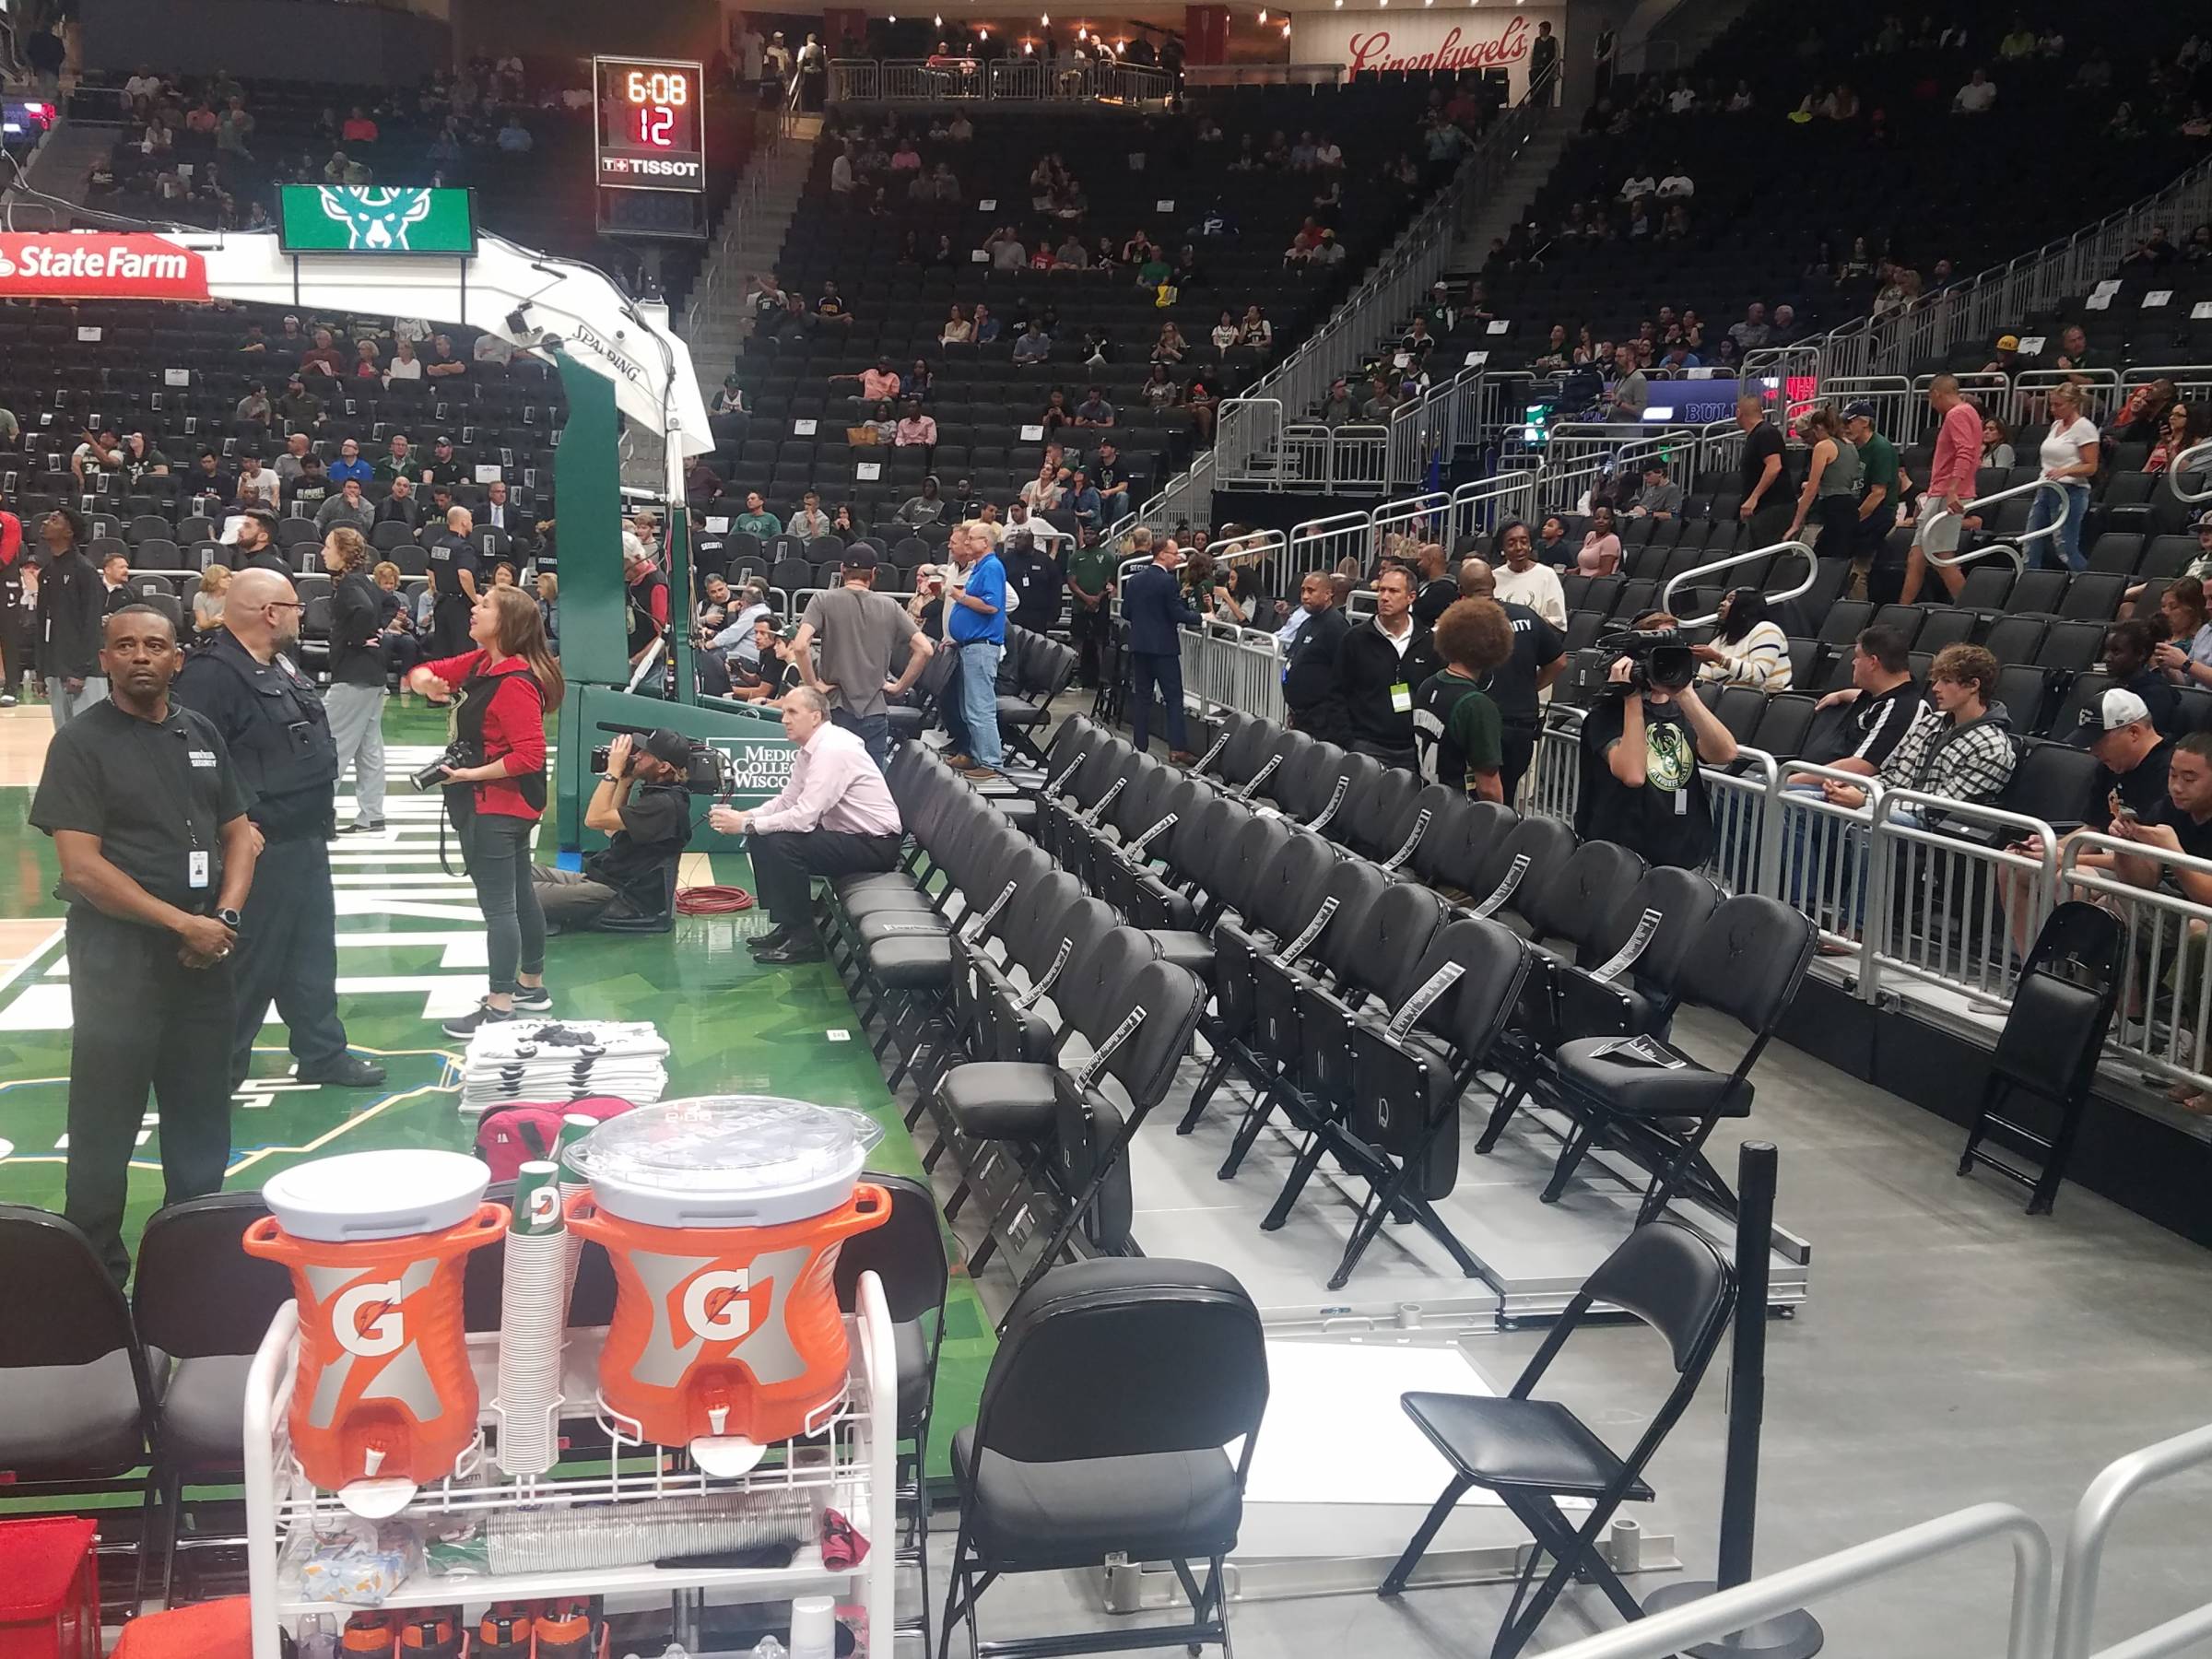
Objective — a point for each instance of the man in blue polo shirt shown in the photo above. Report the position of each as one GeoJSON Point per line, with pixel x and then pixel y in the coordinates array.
{"type": "Point", "coordinates": [977, 626]}
{"type": "Point", "coordinates": [350, 465]}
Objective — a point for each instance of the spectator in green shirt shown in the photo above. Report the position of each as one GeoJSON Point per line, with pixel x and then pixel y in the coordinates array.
{"type": "Point", "coordinates": [1881, 486]}
{"type": "Point", "coordinates": [1154, 271]}
{"type": "Point", "coordinates": [401, 462]}
{"type": "Point", "coordinates": [1090, 580]}
{"type": "Point", "coordinates": [1457, 730]}
{"type": "Point", "coordinates": [756, 520]}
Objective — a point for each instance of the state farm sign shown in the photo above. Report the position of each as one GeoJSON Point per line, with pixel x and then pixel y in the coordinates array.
{"type": "Point", "coordinates": [62, 266]}
{"type": "Point", "coordinates": [1379, 40]}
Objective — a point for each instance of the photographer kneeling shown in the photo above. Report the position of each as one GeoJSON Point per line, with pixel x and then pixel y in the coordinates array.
{"type": "Point", "coordinates": [494, 774]}
{"type": "Point", "coordinates": [643, 806]}
{"type": "Point", "coordinates": [1641, 748]}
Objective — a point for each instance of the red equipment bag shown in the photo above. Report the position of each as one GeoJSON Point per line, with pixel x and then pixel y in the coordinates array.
{"type": "Point", "coordinates": [511, 1137]}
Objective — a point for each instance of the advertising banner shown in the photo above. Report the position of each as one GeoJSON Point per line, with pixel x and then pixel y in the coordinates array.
{"type": "Point", "coordinates": [61, 265]}
{"type": "Point", "coordinates": [1377, 40]}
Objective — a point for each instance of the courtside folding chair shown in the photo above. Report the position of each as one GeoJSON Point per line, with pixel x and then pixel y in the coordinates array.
{"type": "Point", "coordinates": [1532, 1452]}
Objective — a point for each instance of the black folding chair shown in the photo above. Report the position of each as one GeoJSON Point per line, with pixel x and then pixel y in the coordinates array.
{"type": "Point", "coordinates": [1115, 1386]}
{"type": "Point", "coordinates": [1657, 1103]}
{"type": "Point", "coordinates": [1532, 1453]}
{"type": "Point", "coordinates": [2062, 1011]}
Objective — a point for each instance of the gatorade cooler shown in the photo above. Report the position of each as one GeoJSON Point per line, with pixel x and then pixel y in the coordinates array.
{"type": "Point", "coordinates": [376, 1243]}
{"type": "Point", "coordinates": [723, 1218]}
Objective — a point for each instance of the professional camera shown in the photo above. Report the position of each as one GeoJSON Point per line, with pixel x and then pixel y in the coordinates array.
{"type": "Point", "coordinates": [1660, 658]}
{"type": "Point", "coordinates": [708, 772]}
{"type": "Point", "coordinates": [457, 755]}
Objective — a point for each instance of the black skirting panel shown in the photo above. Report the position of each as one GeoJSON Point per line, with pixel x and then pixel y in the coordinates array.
{"type": "Point", "coordinates": [2153, 1168]}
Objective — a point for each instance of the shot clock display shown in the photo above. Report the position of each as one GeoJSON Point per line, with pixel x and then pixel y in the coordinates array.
{"type": "Point", "coordinates": [650, 136]}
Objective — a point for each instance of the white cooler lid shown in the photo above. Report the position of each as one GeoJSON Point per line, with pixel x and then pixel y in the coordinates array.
{"type": "Point", "coordinates": [393, 1194]}
{"type": "Point", "coordinates": [725, 1160]}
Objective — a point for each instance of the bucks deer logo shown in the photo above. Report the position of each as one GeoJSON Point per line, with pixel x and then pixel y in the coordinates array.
{"type": "Point", "coordinates": [377, 220]}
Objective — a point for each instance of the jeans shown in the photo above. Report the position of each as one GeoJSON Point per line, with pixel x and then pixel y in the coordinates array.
{"type": "Point", "coordinates": [497, 850]}
{"type": "Point", "coordinates": [874, 730]}
{"type": "Point", "coordinates": [978, 699]}
{"type": "Point", "coordinates": [356, 724]}
{"type": "Point", "coordinates": [2041, 514]}
{"type": "Point", "coordinates": [67, 706]}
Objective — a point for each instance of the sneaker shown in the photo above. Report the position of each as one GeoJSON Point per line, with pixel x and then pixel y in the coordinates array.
{"type": "Point", "coordinates": [362, 829]}
{"type": "Point", "coordinates": [484, 1014]}
{"type": "Point", "coordinates": [8, 700]}
{"type": "Point", "coordinates": [534, 999]}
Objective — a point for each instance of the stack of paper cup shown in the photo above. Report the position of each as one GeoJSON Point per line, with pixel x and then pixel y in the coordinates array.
{"type": "Point", "coordinates": [534, 1307]}
{"type": "Point", "coordinates": [574, 1127]}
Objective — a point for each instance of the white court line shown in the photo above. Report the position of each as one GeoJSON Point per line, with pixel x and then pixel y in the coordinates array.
{"type": "Point", "coordinates": [45, 1006]}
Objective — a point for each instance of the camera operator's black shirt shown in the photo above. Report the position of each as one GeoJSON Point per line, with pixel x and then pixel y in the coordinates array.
{"type": "Point", "coordinates": [656, 827]}
{"type": "Point", "coordinates": [1667, 819]}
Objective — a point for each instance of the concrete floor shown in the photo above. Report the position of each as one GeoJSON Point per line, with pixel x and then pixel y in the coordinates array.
{"type": "Point", "coordinates": [1953, 1351]}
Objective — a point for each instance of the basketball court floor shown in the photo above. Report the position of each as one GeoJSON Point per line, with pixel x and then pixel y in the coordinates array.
{"type": "Point", "coordinates": [1953, 1350]}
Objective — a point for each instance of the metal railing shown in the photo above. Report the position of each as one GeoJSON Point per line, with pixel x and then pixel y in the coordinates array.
{"type": "Point", "coordinates": [1225, 666]}
{"type": "Point", "coordinates": [1690, 578]}
{"type": "Point", "coordinates": [1722, 1614]}
{"type": "Point", "coordinates": [2093, 1520]}
{"type": "Point", "coordinates": [2013, 548]}
{"type": "Point", "coordinates": [1026, 79]}
{"type": "Point", "coordinates": [2196, 460]}
{"type": "Point", "coordinates": [2167, 937]}
{"type": "Point", "coordinates": [718, 276]}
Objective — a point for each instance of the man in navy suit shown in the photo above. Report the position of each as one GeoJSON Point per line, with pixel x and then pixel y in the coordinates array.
{"type": "Point", "coordinates": [1153, 607]}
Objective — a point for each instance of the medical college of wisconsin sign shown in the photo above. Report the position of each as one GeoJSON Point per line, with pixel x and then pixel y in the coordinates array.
{"type": "Point", "coordinates": [1376, 40]}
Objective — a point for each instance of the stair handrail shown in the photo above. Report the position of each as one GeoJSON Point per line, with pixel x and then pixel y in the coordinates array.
{"type": "Point", "coordinates": [1812, 571]}
{"type": "Point", "coordinates": [2094, 1518]}
{"type": "Point", "coordinates": [2010, 548]}
{"type": "Point", "coordinates": [2196, 458]}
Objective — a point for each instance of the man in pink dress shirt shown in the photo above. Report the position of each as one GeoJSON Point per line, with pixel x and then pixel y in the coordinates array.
{"type": "Point", "coordinates": [1950, 485]}
{"type": "Point", "coordinates": [835, 818]}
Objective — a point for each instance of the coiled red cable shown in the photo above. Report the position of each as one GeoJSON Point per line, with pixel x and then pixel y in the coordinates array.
{"type": "Point", "coordinates": [711, 900]}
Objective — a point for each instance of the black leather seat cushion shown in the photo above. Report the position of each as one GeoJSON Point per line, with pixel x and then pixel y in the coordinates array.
{"type": "Point", "coordinates": [202, 1414]}
{"type": "Point", "coordinates": [1536, 1446]}
{"type": "Point", "coordinates": [905, 898]}
{"type": "Point", "coordinates": [1040, 1517]}
{"type": "Point", "coordinates": [1013, 711]}
{"type": "Point", "coordinates": [872, 881]}
{"type": "Point", "coordinates": [1021, 812]}
{"type": "Point", "coordinates": [900, 924]}
{"type": "Point", "coordinates": [912, 962]}
{"type": "Point", "coordinates": [64, 1422]}
{"type": "Point", "coordinates": [1000, 1100]}
{"type": "Point", "coordinates": [906, 722]}
{"type": "Point", "coordinates": [1191, 950]}
{"type": "Point", "coordinates": [1649, 1091]}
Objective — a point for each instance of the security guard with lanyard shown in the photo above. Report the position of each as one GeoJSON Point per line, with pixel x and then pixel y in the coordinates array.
{"type": "Point", "coordinates": [148, 818]}
{"type": "Point", "coordinates": [272, 718]}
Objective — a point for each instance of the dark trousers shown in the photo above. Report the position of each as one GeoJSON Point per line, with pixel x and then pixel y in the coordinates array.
{"type": "Point", "coordinates": [497, 847]}
{"type": "Point", "coordinates": [142, 1020]}
{"type": "Point", "coordinates": [1163, 669]}
{"type": "Point", "coordinates": [1769, 525]}
{"type": "Point", "coordinates": [402, 652]}
{"type": "Point", "coordinates": [287, 953]}
{"type": "Point", "coordinates": [1087, 626]}
{"type": "Point", "coordinates": [1405, 758]}
{"type": "Point", "coordinates": [18, 647]}
{"type": "Point", "coordinates": [449, 625]}
{"type": "Point", "coordinates": [874, 730]}
{"type": "Point", "coordinates": [784, 860]}
{"type": "Point", "coordinates": [1516, 753]}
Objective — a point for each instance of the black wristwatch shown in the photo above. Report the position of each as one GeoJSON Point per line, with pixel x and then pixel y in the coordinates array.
{"type": "Point", "coordinates": [228, 917]}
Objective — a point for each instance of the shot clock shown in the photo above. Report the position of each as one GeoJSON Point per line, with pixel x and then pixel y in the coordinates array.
{"type": "Point", "coordinates": [650, 133]}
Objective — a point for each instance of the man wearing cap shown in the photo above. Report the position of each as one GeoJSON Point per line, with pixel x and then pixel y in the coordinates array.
{"type": "Point", "coordinates": [642, 806]}
{"type": "Point", "coordinates": [2131, 650]}
{"type": "Point", "coordinates": [445, 465]}
{"type": "Point", "coordinates": [835, 818]}
{"type": "Point", "coordinates": [1880, 488]}
{"type": "Point", "coordinates": [2007, 361]}
{"type": "Point", "coordinates": [2133, 762]}
{"type": "Point", "coordinates": [862, 633]}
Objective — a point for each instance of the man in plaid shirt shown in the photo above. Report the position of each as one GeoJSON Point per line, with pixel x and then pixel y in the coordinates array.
{"type": "Point", "coordinates": [1959, 747]}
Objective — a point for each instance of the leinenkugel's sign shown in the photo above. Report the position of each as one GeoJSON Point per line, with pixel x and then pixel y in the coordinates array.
{"type": "Point", "coordinates": [1377, 40]}
{"type": "Point", "coordinates": [69, 265]}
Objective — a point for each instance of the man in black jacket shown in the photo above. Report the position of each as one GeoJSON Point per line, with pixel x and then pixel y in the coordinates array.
{"type": "Point", "coordinates": [1154, 607]}
{"type": "Point", "coordinates": [355, 700]}
{"type": "Point", "coordinates": [1313, 690]}
{"type": "Point", "coordinates": [72, 612]}
{"type": "Point", "coordinates": [1382, 664]}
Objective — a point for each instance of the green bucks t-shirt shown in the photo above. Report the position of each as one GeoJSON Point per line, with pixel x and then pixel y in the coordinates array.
{"type": "Point", "coordinates": [1457, 730]}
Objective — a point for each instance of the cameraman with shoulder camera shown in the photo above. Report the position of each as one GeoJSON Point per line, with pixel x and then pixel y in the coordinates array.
{"type": "Point", "coordinates": [1643, 746]}
{"type": "Point", "coordinates": [642, 805]}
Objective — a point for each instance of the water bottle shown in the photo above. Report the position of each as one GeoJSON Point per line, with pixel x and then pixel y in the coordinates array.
{"type": "Point", "coordinates": [317, 1640]}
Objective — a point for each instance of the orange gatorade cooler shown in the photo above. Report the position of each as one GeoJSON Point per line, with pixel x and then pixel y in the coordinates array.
{"type": "Point", "coordinates": [723, 1218]}
{"type": "Point", "coordinates": [376, 1244]}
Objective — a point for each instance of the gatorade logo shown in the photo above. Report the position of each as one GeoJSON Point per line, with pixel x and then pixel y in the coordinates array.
{"type": "Point", "coordinates": [716, 1307]}
{"type": "Point", "coordinates": [382, 1332]}
{"type": "Point", "coordinates": [544, 1204]}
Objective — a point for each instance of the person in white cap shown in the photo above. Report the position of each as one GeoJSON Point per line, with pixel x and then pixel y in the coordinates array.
{"type": "Point", "coordinates": [2133, 761]}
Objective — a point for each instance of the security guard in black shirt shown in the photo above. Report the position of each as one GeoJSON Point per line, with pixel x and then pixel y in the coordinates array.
{"type": "Point", "coordinates": [273, 720]}
{"type": "Point", "coordinates": [148, 818]}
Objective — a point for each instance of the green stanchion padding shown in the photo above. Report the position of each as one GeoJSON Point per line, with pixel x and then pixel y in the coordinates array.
{"type": "Point", "coordinates": [587, 478]}
{"type": "Point", "coordinates": [763, 756]}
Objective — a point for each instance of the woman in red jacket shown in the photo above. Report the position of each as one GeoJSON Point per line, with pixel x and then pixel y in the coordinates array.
{"type": "Point", "coordinates": [505, 688]}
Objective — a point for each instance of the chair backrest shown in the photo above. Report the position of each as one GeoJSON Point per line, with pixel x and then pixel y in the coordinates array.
{"type": "Point", "coordinates": [1388, 944]}
{"type": "Point", "coordinates": [1292, 879]}
{"type": "Point", "coordinates": [1248, 751]}
{"type": "Point", "coordinates": [1748, 959]}
{"type": "Point", "coordinates": [197, 1293]}
{"type": "Point", "coordinates": [1545, 842]}
{"type": "Point", "coordinates": [907, 1253]}
{"type": "Point", "coordinates": [1354, 886]}
{"type": "Point", "coordinates": [1577, 902]}
{"type": "Point", "coordinates": [1169, 999]}
{"type": "Point", "coordinates": [57, 1304]}
{"type": "Point", "coordinates": [1382, 816]}
{"type": "Point", "coordinates": [1683, 900]}
{"type": "Point", "coordinates": [1122, 1357]}
{"type": "Point", "coordinates": [1675, 1280]}
{"type": "Point", "coordinates": [1492, 960]}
